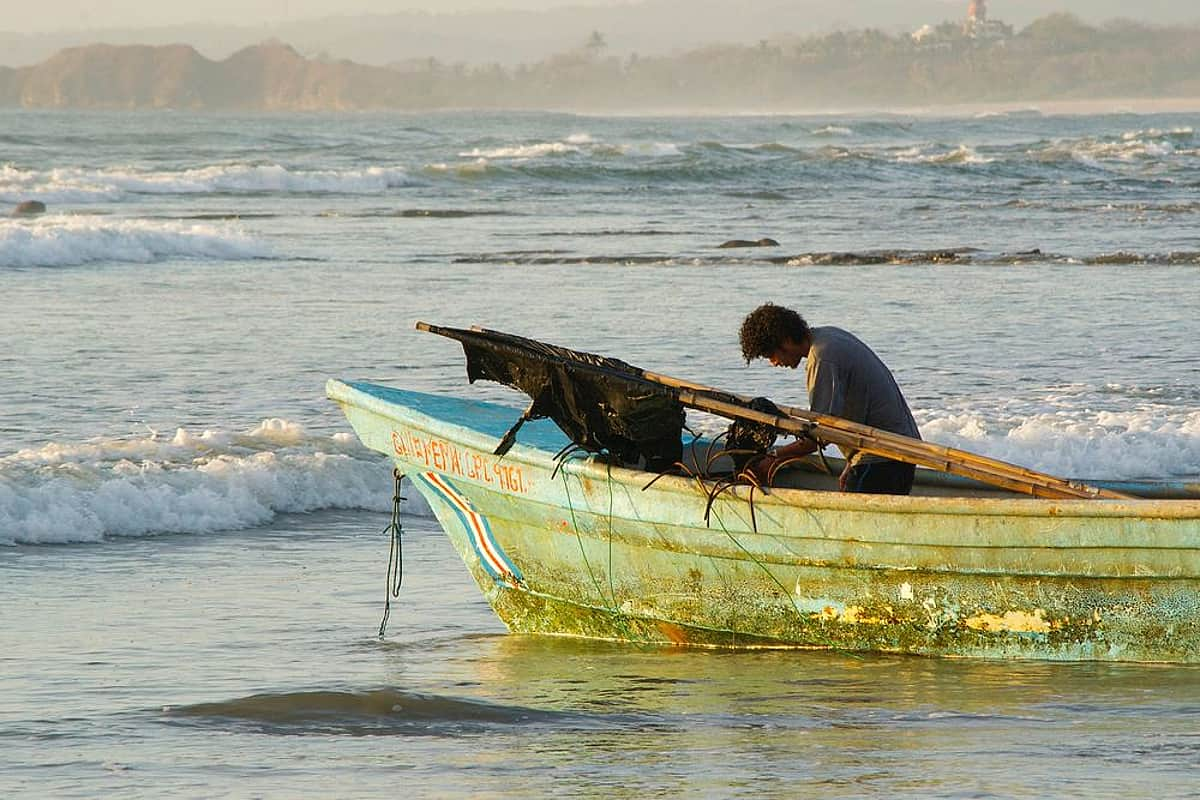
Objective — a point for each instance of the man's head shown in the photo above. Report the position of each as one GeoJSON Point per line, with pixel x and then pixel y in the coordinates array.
{"type": "Point", "coordinates": [774, 333]}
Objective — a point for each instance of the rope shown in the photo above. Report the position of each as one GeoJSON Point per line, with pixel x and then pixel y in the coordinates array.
{"type": "Point", "coordinates": [618, 619]}
{"type": "Point", "coordinates": [395, 569]}
{"type": "Point", "coordinates": [579, 537]}
{"type": "Point", "coordinates": [743, 478]}
{"type": "Point", "coordinates": [727, 483]}
{"type": "Point", "coordinates": [612, 592]}
{"type": "Point", "coordinates": [766, 570]}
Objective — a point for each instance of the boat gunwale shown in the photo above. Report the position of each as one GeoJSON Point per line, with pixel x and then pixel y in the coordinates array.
{"type": "Point", "coordinates": [345, 392]}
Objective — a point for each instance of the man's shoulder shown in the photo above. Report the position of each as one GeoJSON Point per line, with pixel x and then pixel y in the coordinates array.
{"type": "Point", "coordinates": [829, 337]}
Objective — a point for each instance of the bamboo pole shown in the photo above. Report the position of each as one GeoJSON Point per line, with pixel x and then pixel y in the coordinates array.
{"type": "Point", "coordinates": [828, 429]}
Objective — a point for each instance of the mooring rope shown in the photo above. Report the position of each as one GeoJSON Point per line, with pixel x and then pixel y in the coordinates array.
{"type": "Point", "coordinates": [395, 570]}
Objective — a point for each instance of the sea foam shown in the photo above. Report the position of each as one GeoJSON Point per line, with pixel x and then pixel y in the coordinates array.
{"type": "Point", "coordinates": [56, 241]}
{"type": "Point", "coordinates": [186, 483]}
{"type": "Point", "coordinates": [525, 151]}
{"type": "Point", "coordinates": [574, 144]}
{"type": "Point", "coordinates": [936, 155]}
{"type": "Point", "coordinates": [74, 185]}
{"type": "Point", "coordinates": [1097, 445]}
{"type": "Point", "coordinates": [833, 130]}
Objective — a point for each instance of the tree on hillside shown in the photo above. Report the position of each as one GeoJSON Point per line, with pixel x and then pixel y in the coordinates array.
{"type": "Point", "coordinates": [595, 44]}
{"type": "Point", "coordinates": [1063, 32]}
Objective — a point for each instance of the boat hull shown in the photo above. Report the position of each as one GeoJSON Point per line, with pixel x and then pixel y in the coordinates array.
{"type": "Point", "coordinates": [585, 549]}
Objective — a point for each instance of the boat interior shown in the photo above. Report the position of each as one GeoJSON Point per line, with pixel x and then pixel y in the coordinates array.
{"type": "Point", "coordinates": [816, 473]}
{"type": "Point", "coordinates": [820, 473]}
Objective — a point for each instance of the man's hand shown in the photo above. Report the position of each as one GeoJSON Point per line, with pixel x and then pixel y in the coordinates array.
{"type": "Point", "coordinates": [763, 466]}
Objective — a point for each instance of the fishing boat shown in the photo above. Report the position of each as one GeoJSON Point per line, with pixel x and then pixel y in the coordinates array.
{"type": "Point", "coordinates": [579, 517]}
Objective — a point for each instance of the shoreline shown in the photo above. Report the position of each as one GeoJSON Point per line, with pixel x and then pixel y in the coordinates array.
{"type": "Point", "coordinates": [1046, 107]}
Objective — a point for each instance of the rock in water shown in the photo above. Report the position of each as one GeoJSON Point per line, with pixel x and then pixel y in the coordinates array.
{"type": "Point", "coordinates": [28, 208]}
{"type": "Point", "coordinates": [764, 242]}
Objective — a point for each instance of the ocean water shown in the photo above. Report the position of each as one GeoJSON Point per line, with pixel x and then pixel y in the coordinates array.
{"type": "Point", "coordinates": [192, 571]}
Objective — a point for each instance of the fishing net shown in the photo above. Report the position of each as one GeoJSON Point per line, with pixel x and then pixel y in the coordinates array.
{"type": "Point", "coordinates": [746, 440]}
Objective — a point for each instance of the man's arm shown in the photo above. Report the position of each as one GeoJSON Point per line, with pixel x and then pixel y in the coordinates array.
{"type": "Point", "coordinates": [826, 395]}
{"type": "Point", "coordinates": [766, 464]}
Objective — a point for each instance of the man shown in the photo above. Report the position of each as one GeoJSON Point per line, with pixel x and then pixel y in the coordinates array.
{"type": "Point", "coordinates": [845, 379]}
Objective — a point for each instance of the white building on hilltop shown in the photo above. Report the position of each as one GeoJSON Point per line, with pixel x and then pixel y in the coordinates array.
{"type": "Point", "coordinates": [976, 29]}
{"type": "Point", "coordinates": [979, 27]}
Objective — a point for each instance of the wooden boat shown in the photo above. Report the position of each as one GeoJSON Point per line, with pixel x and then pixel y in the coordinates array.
{"type": "Point", "coordinates": [579, 546]}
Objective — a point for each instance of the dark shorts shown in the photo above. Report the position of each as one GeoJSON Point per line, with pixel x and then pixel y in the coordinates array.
{"type": "Point", "coordinates": [879, 477]}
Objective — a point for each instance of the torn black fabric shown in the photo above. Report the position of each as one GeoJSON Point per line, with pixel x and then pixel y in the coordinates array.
{"type": "Point", "coordinates": [601, 403]}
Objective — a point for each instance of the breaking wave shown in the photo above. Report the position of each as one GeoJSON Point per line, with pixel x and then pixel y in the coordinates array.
{"type": "Point", "coordinates": [57, 241]}
{"type": "Point", "coordinates": [577, 144]}
{"type": "Point", "coordinates": [539, 150]}
{"type": "Point", "coordinates": [74, 185]}
{"type": "Point", "coordinates": [1135, 159]}
{"type": "Point", "coordinates": [938, 155]}
{"type": "Point", "coordinates": [580, 156]}
{"type": "Point", "coordinates": [1150, 444]}
{"type": "Point", "coordinates": [186, 483]}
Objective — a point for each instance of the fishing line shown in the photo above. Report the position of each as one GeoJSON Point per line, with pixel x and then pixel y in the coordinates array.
{"type": "Point", "coordinates": [579, 538]}
{"type": "Point", "coordinates": [619, 621]}
{"type": "Point", "coordinates": [787, 593]}
{"type": "Point", "coordinates": [612, 592]}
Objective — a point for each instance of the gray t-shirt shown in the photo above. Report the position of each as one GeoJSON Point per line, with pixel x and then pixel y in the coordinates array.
{"type": "Point", "coordinates": [846, 379]}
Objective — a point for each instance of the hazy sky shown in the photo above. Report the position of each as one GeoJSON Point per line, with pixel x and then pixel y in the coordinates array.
{"type": "Point", "coordinates": [21, 16]}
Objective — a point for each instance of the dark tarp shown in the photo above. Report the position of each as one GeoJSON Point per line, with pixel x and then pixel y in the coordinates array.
{"type": "Point", "coordinates": [601, 403]}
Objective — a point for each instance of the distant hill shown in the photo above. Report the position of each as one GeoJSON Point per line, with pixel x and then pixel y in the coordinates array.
{"type": "Point", "coordinates": [1055, 57]}
{"type": "Point", "coordinates": [264, 77]}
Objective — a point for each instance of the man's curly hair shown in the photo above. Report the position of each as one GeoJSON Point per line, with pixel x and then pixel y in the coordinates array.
{"type": "Point", "coordinates": [765, 329]}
